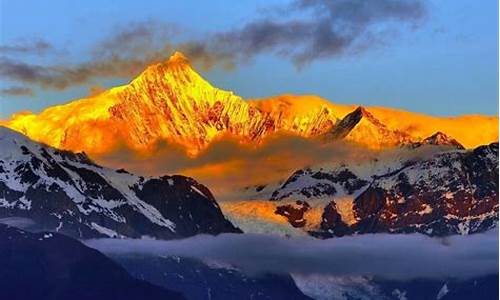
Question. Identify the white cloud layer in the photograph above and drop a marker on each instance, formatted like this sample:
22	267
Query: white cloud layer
383	255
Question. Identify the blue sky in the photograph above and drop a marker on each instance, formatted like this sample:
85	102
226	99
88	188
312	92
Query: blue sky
447	65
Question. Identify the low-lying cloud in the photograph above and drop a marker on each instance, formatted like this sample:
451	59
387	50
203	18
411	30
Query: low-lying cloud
301	31
398	257
227	166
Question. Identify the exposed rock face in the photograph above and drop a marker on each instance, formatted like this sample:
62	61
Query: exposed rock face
448	192
294	213
54	266
68	193
331	221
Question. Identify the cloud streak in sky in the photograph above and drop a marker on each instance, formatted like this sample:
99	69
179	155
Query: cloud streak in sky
35	47
17	91
60	77
302	31
399	257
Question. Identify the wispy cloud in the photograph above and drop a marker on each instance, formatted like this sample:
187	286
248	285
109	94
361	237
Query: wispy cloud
397	257
59	77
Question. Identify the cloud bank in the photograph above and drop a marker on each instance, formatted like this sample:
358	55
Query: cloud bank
301	31
398	257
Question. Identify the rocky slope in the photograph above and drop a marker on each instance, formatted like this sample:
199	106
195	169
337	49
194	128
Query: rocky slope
171	102
68	193
53	266
438	193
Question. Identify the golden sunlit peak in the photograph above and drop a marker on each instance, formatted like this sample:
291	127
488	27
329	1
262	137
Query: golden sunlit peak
178	57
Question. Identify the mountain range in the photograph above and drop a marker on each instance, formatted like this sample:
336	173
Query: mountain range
437	176
451	191
426	188
171	102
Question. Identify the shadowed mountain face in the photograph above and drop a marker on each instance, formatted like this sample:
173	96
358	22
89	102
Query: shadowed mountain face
170	102
53	266
66	192
197	280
